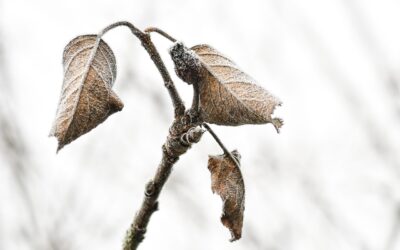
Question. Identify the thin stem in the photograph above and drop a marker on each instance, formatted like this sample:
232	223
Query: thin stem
137	32
161	32
179	107
226	151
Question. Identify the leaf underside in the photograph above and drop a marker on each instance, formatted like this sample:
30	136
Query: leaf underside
228	96
227	182
86	98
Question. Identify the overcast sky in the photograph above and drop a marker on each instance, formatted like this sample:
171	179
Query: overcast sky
329	180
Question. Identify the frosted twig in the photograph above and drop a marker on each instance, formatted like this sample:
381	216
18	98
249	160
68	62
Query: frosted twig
161	32
174	147
145	39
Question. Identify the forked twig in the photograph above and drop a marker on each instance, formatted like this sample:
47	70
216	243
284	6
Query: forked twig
183	132
181	136
155	56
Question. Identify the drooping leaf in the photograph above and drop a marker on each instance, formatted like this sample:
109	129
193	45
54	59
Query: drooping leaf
228	96
86	98
227	181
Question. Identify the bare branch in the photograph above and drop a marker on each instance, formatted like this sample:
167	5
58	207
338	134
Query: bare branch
174	147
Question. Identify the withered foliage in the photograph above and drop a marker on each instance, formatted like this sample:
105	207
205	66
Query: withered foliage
87	98
223	94
227	181
228	96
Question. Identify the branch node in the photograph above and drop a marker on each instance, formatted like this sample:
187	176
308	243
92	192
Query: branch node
140	230
150	188
193	135
185	140
155	207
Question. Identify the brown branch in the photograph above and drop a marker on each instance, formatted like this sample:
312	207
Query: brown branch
145	39
181	135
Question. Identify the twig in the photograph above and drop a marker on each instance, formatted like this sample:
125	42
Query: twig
136	232
226	151
181	136
161	32
145	39
172	149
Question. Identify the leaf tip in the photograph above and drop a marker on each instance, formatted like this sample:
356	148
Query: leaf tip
59	147
53	134
278	123
115	103
235	230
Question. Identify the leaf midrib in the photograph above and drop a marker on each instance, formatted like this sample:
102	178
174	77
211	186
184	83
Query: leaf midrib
81	84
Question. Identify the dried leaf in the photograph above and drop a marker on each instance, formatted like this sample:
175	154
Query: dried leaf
227	181
228	96
86	97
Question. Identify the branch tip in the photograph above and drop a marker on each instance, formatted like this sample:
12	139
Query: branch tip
161	32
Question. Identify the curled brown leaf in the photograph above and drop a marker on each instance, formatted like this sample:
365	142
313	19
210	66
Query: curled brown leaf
228	96
86	98
227	182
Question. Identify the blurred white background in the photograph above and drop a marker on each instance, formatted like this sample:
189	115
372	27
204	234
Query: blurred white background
330	180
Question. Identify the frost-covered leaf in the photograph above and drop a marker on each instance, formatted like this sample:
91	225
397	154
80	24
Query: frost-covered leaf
227	181
86	97
228	96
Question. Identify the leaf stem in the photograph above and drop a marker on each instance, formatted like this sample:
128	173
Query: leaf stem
216	138
179	107
161	32
226	151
